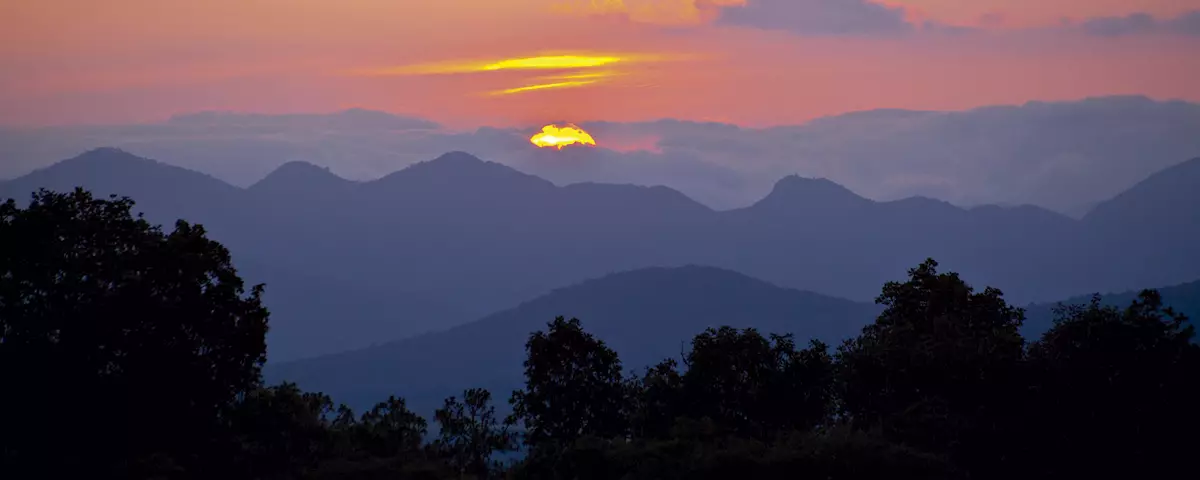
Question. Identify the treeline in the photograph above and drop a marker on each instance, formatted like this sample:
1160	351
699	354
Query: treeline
129	352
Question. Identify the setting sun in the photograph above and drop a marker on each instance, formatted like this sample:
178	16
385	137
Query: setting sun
553	136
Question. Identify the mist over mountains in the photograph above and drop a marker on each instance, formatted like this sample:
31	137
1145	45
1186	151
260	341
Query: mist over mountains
455	238
1063	156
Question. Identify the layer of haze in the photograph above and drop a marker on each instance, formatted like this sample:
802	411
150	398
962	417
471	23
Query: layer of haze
1066	156
751	62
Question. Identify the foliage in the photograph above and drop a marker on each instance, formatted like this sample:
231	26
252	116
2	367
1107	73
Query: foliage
574	387
939	362
390	429
695	451
757	387
470	433
657	401
283	431
1117	384
134	340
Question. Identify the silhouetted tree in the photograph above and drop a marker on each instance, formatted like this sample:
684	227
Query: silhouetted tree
470	433
657	401
284	432
755	386
121	346
940	363
1115	393
574	387
390	429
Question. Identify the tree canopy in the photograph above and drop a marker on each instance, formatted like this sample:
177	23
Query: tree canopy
109	327
574	386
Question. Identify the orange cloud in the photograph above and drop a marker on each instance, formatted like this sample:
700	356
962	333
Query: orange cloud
661	12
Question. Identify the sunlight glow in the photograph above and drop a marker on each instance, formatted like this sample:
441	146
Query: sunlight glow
553	136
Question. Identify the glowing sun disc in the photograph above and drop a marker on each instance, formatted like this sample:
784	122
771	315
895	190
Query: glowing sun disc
553	136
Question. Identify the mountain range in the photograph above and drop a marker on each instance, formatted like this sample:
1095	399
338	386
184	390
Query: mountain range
1066	156
351	263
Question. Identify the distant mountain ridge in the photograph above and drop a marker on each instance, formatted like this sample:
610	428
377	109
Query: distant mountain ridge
1065	156
480	236
647	315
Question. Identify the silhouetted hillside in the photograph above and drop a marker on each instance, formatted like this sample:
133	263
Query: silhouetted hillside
646	315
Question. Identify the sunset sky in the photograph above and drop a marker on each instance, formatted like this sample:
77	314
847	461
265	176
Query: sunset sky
475	62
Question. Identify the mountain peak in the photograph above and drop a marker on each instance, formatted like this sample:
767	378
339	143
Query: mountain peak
454	164
301	176
112	171
1173	186
106	162
793	184
794	191
461	170
458	158
110	155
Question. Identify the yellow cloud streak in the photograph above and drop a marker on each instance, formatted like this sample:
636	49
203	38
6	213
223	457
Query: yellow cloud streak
551	62
543	62
581	63
545	86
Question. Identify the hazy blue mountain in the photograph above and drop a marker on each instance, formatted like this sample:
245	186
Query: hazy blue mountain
647	315
1160	219
314	315
1173	186
170	192
1064	156
480	237
806	226
302	181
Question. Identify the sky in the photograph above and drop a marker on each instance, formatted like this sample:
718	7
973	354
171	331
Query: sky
466	63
